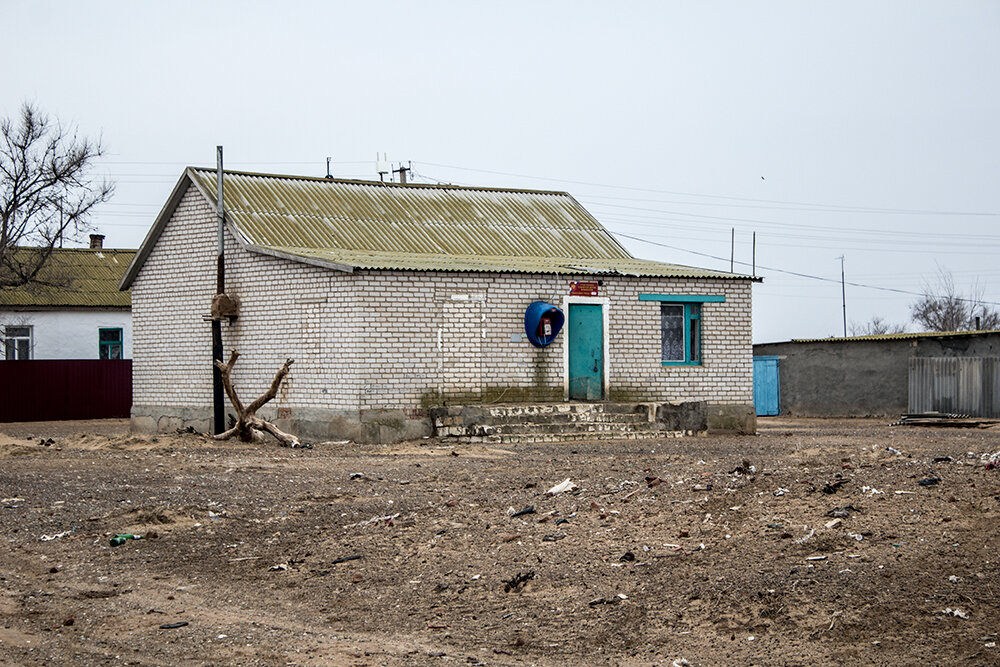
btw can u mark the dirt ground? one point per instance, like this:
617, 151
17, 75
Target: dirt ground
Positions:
814, 542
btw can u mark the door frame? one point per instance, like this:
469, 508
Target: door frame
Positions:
605, 304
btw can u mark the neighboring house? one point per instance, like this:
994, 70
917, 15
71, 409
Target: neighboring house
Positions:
396, 298
75, 311
67, 339
884, 375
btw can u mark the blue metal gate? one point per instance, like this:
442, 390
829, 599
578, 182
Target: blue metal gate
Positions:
766, 393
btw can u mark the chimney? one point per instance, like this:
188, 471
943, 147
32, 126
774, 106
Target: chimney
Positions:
96, 241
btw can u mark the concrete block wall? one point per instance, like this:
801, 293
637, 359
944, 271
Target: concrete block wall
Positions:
374, 349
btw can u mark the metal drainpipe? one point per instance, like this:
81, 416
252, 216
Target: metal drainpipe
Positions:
218, 396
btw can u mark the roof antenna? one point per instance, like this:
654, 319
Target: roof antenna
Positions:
402, 172
328, 174
381, 166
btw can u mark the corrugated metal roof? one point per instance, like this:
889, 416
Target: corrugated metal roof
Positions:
898, 336
372, 225
77, 277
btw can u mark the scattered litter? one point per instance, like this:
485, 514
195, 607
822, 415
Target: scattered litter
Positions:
856, 536
278, 567
565, 485
780, 492
518, 581
530, 509
870, 491
902, 493
49, 538
627, 497
816, 558
346, 559
929, 481
653, 480
622, 596
957, 612
831, 487
811, 533
597, 601
953, 579
171, 626
627, 557
842, 512
374, 519
122, 538
894, 451
680, 662
942, 459
744, 468
548, 515
561, 521
357, 475
833, 523
944, 419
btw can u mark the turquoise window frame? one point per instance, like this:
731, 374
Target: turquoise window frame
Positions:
104, 348
692, 316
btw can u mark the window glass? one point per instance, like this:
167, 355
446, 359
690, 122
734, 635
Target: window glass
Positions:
110, 343
17, 343
671, 332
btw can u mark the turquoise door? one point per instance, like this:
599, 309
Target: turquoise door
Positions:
586, 352
766, 394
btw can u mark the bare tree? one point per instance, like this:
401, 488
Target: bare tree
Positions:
46, 192
876, 326
247, 420
944, 308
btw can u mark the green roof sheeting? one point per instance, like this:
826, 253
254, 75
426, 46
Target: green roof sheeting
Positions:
349, 225
74, 277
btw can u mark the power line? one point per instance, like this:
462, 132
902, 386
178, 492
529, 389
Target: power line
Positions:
803, 275
856, 209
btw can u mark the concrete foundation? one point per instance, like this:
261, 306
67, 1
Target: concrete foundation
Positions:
500, 423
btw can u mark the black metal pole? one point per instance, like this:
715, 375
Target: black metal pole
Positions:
218, 393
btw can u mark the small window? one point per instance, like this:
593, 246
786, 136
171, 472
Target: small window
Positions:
680, 333
17, 343
680, 326
110, 342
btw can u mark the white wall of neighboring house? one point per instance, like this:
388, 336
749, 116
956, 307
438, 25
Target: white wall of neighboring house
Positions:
70, 334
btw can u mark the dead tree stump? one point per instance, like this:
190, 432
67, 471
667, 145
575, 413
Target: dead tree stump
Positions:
247, 420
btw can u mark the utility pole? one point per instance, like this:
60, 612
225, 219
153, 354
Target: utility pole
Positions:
218, 398
843, 293
402, 171
732, 250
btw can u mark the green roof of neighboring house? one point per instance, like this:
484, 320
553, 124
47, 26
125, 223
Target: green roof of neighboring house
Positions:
74, 278
884, 337
348, 225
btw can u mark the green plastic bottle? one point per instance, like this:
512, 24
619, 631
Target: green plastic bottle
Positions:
122, 538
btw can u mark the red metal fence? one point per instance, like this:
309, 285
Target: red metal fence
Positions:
65, 389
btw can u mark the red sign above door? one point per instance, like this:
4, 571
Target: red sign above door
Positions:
583, 289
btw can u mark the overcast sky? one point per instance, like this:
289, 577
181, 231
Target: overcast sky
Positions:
867, 130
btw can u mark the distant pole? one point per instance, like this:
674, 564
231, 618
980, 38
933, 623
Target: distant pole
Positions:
754, 253
218, 397
732, 249
843, 293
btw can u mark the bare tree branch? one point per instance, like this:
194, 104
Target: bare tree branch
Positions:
944, 308
46, 192
247, 421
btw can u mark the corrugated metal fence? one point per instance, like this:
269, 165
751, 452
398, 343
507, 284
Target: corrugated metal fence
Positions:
65, 389
954, 384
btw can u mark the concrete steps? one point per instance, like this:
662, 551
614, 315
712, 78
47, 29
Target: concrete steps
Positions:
555, 422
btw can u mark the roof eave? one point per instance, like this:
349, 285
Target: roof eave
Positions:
154, 232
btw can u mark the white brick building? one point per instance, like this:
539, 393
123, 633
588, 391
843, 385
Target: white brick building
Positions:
395, 298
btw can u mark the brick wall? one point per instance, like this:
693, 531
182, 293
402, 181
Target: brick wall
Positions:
380, 340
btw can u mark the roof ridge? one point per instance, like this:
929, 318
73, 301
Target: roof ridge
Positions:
363, 182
